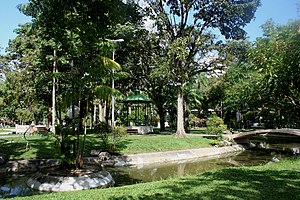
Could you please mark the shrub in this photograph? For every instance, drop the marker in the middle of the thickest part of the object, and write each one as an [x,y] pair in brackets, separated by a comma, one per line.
[110,136]
[215,125]
[197,122]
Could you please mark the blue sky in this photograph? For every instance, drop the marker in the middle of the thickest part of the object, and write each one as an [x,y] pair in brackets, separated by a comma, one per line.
[281,11]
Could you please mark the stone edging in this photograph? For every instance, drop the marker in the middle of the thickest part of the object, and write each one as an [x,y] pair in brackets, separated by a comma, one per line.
[125,160]
[173,156]
[60,184]
[30,165]
[165,156]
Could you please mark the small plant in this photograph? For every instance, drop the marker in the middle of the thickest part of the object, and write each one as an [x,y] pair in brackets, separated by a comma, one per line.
[197,122]
[215,125]
[110,136]
[66,140]
[118,133]
[214,142]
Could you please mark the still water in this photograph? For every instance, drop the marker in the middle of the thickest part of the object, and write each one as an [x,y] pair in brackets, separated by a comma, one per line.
[266,149]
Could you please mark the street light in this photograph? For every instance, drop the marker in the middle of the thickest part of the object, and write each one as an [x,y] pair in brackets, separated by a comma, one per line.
[113,83]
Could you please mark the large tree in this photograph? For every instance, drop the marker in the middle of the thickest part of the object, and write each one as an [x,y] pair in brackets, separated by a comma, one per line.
[185,32]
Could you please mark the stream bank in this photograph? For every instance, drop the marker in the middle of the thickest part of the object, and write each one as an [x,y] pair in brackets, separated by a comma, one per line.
[33,165]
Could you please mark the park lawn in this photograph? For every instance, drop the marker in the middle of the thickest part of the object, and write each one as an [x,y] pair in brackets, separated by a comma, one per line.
[154,143]
[5,130]
[45,147]
[37,147]
[272,181]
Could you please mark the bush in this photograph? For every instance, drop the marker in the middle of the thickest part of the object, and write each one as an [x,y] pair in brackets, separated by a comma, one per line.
[197,122]
[110,136]
[215,125]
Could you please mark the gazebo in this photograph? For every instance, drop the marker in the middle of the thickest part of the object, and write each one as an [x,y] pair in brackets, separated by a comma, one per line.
[137,113]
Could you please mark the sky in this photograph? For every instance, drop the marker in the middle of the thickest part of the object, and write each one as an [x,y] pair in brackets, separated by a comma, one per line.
[281,11]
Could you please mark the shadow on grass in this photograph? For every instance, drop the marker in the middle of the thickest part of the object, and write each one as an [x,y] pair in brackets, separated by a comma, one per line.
[233,183]
[45,147]
[36,147]
[13,149]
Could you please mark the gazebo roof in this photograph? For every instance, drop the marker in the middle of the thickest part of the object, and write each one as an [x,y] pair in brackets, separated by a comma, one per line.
[137,98]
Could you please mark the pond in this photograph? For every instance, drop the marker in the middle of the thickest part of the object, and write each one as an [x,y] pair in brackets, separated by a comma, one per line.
[267,149]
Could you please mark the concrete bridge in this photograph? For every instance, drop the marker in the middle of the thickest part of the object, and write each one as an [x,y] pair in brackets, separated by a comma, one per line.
[242,138]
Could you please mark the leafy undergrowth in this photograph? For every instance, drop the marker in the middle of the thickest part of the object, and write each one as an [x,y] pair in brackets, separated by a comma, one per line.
[274,181]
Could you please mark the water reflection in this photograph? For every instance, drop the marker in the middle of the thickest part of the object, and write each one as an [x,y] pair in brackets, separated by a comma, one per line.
[275,142]
[15,185]
[126,176]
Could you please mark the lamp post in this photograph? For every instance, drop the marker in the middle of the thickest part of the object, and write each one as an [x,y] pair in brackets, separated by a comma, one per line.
[113,83]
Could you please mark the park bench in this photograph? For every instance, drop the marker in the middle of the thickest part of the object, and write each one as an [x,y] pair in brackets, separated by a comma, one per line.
[20,129]
[41,128]
[31,129]
[132,131]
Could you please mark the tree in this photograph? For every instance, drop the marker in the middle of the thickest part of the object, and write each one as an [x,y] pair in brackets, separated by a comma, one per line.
[76,30]
[184,29]
[276,58]
[22,68]
[262,79]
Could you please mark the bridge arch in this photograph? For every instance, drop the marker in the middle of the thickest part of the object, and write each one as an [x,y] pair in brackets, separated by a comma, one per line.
[242,138]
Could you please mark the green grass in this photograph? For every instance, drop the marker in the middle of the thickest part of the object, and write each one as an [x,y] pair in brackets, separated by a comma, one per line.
[7,130]
[198,131]
[154,143]
[37,147]
[275,181]
[44,147]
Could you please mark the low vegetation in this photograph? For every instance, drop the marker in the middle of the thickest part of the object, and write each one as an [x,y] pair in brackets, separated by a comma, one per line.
[273,181]
[215,125]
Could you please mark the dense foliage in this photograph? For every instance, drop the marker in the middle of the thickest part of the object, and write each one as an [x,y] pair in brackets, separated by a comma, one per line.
[262,81]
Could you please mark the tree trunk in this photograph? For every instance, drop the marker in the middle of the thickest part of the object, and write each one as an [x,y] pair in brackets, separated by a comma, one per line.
[161,114]
[58,105]
[180,113]
[95,113]
[186,118]
[53,92]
